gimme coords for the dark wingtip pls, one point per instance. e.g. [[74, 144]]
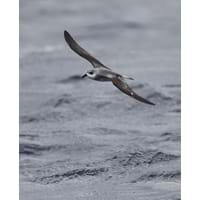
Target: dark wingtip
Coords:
[[68, 37], [153, 104], [65, 33], [150, 103]]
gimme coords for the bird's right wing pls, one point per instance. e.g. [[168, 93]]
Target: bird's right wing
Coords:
[[82, 52], [124, 87]]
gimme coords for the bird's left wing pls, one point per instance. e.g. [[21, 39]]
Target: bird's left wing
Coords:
[[82, 52], [124, 87]]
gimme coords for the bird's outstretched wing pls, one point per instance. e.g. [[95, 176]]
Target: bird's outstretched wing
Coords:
[[82, 52], [124, 87]]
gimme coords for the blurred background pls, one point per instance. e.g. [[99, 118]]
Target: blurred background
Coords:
[[81, 139]]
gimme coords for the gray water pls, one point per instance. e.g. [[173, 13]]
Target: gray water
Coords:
[[81, 139]]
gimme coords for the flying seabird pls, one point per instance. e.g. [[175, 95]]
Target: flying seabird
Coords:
[[100, 72]]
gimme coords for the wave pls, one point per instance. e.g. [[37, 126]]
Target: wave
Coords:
[[71, 79], [35, 118], [107, 131], [172, 85], [29, 148], [176, 110], [29, 136], [116, 25], [58, 177], [165, 175], [159, 96], [61, 100], [139, 158], [32, 149], [167, 136]]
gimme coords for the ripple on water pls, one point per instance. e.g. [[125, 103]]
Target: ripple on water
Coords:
[[71, 79], [138, 158], [165, 175], [58, 177], [38, 117], [61, 101], [168, 136]]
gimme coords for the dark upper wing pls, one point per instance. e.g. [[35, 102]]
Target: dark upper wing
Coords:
[[124, 87], [82, 52]]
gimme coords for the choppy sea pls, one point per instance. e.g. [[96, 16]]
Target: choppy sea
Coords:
[[81, 139]]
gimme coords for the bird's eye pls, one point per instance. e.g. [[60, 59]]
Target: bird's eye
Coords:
[[90, 73]]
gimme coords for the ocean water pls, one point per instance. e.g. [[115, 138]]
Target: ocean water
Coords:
[[82, 139]]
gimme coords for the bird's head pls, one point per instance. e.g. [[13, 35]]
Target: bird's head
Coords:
[[90, 74]]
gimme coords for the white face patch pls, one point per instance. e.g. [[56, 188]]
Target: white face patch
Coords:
[[91, 74]]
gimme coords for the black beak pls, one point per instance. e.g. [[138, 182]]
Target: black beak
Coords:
[[83, 76]]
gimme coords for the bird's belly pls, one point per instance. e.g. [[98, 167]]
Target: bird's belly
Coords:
[[102, 78]]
